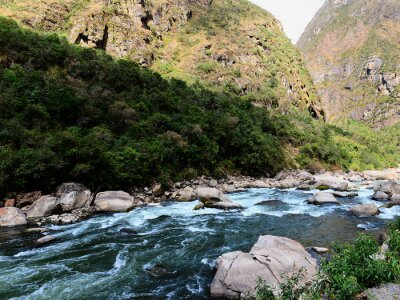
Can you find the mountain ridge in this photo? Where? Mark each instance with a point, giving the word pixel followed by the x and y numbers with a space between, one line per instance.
pixel 231 46
pixel 351 49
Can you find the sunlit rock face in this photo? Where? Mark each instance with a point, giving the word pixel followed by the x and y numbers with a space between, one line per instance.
pixel 351 49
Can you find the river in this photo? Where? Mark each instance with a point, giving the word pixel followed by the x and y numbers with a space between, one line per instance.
pixel 94 260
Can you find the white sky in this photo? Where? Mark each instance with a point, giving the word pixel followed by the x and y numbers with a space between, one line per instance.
pixel 294 14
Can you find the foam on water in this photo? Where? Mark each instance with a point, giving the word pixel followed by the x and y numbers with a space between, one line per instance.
pixel 93 260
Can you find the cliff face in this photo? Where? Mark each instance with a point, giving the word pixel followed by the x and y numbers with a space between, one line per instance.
pixel 227 45
pixel 351 48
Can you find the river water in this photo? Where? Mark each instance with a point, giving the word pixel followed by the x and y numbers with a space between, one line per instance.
pixel 93 260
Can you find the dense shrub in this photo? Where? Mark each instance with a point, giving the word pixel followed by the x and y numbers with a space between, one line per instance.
pixel 350 270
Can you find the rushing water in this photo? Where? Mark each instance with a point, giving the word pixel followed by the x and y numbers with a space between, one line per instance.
pixel 93 260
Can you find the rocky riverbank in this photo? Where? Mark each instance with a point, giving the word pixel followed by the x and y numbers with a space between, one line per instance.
pixel 73 202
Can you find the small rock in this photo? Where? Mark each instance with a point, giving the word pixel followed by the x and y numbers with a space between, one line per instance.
pixel 365 210
pixel 344 194
pixel 12 216
pixel 199 206
pixel 321 250
pixel 9 203
pixel 45 240
pixel 383 292
pixel 36 230
pixel 157 271
pixel 380 196
pixel 157 190
pixel 321 198
pixel 213 183
pixel 128 231
pixel 304 187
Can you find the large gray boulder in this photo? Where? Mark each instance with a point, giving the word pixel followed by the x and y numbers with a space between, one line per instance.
pixel 114 201
pixel 344 194
pixel 382 186
pixel 73 196
pixel 74 200
pixel 42 207
pixel 380 196
pixel 214 198
pixel 185 195
pixel 365 210
pixel 321 198
pixel 395 188
pixel 11 216
pixel 272 259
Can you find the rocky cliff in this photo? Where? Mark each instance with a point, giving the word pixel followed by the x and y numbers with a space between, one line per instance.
pixel 230 46
pixel 352 50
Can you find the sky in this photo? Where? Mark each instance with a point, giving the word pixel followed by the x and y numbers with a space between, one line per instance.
pixel 293 14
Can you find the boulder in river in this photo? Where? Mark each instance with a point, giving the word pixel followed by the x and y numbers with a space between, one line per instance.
pixel 380 196
pixel 395 197
pixel 12 216
pixel 42 207
pixel 344 194
pixel 322 198
pixel 199 206
pixel 383 186
pixel 272 259
pixel 114 201
pixel 157 271
pixel 395 188
pixel 45 240
pixel 214 198
pixel 186 194
pixel 365 210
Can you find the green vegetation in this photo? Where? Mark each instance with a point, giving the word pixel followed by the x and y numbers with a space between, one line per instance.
pixel 74 114
pixel 352 269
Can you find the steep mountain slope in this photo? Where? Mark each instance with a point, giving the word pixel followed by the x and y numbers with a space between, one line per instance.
pixel 352 49
pixel 69 113
pixel 230 46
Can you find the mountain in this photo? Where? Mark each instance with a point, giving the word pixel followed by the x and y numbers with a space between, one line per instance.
pixel 352 50
pixel 229 46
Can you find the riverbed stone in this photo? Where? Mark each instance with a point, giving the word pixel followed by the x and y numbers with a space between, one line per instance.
pixel 365 210
pixel 395 188
pixel 389 291
pixel 199 206
pixel 321 250
pixel 25 199
pixel 36 230
pixel 157 190
pixel 380 196
pixel 42 207
pixel 45 240
pixel 9 203
pixel 74 200
pixel 344 194
pixel 185 195
pixel 322 198
pixel 214 198
pixel 272 259
pixel 12 216
pixel 383 186
pixel 114 201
